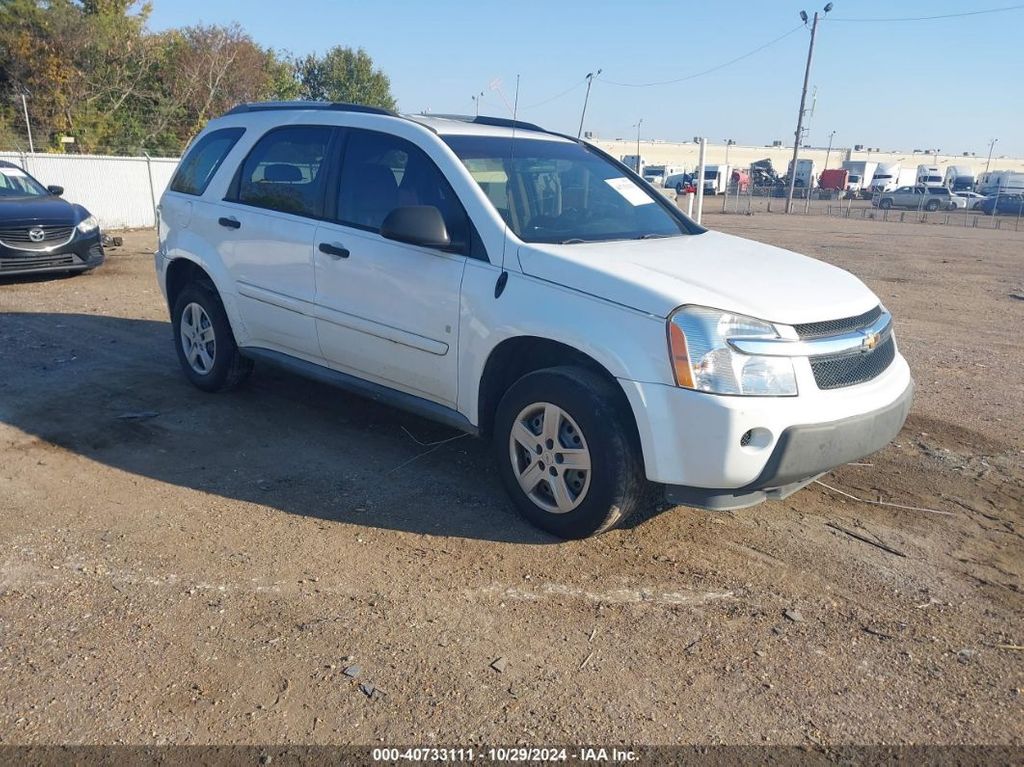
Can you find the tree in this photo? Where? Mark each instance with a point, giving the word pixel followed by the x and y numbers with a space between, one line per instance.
pixel 343 74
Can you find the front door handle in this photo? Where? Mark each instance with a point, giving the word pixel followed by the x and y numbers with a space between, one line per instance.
pixel 338 251
pixel 230 223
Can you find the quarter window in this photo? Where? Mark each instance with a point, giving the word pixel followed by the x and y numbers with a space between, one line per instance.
pixel 285 171
pixel 202 161
pixel 382 172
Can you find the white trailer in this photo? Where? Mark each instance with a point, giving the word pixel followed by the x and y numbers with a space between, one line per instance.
pixel 716 178
pixel 1000 182
pixel 890 175
pixel 805 178
pixel 861 173
pixel 636 162
pixel 929 175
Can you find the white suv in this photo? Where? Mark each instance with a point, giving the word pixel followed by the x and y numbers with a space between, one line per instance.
pixel 523 286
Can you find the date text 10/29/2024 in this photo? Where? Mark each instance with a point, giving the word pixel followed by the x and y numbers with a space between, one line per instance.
pixel 504 754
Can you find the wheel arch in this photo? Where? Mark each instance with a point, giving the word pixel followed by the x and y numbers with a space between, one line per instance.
pixel 517 356
pixel 183 270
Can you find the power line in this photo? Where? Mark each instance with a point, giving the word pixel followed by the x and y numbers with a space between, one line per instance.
pixel 746 55
pixel 566 92
pixel 942 16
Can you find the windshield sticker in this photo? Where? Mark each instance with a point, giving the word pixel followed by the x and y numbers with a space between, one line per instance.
pixel 13 172
pixel 634 195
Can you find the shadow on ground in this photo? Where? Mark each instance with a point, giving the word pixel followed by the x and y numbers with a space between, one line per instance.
pixel 109 389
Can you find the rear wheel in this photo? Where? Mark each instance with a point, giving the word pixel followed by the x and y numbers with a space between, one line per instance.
pixel 205 344
pixel 932 205
pixel 885 204
pixel 567 452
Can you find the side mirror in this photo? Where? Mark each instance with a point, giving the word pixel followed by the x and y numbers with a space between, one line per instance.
pixel 55 190
pixel 421 225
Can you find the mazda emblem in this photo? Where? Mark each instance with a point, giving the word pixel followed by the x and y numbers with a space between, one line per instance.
pixel 36 234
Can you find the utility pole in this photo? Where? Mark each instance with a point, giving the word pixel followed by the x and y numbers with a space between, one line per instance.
pixel 28 125
pixel 991 146
pixel 476 100
pixel 728 143
pixel 803 103
pixel 590 81
pixel 639 172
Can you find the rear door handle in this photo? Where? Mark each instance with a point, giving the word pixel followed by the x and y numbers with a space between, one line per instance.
pixel 230 223
pixel 338 251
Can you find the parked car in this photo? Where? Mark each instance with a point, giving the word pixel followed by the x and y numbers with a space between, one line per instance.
pixel 39 231
pixel 1003 204
pixel 968 200
pixel 915 197
pixel 598 337
pixel 681 182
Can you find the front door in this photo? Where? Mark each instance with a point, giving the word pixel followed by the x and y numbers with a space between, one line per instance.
pixel 386 311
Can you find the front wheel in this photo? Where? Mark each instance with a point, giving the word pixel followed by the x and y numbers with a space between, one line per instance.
pixel 885 204
pixel 567 452
pixel 932 205
pixel 205 344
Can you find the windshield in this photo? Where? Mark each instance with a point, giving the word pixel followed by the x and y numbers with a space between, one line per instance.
pixel 14 182
pixel 558 191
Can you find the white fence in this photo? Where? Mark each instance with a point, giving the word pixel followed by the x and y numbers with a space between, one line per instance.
pixel 120 191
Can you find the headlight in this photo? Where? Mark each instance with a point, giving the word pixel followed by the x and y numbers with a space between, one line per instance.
pixel 89 224
pixel 702 358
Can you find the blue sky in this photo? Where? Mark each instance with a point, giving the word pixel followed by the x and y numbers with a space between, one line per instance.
pixel 949 84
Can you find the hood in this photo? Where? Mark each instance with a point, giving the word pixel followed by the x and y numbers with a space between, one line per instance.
pixel 39 210
pixel 709 269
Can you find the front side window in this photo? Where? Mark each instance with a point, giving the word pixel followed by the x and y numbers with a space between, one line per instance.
pixel 561 191
pixel 382 172
pixel 202 161
pixel 286 172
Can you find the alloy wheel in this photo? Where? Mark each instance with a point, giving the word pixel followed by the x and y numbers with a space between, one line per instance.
pixel 197 338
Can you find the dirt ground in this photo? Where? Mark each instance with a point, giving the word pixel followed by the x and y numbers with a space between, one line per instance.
pixel 177 567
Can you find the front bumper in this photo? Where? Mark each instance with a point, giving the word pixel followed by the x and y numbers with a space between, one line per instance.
pixel 715 442
pixel 81 253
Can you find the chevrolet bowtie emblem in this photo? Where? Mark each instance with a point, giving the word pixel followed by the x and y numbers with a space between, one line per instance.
pixel 869 342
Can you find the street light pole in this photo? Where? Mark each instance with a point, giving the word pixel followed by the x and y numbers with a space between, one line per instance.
pixel 638 170
pixel 476 100
pixel 28 125
pixel 829 150
pixel 991 146
pixel 803 103
pixel 590 81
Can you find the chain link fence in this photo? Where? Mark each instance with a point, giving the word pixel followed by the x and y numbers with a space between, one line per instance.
pixel 750 190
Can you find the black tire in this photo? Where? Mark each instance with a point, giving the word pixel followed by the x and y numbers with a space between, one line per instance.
pixel 885 204
pixel 617 483
pixel 932 205
pixel 229 368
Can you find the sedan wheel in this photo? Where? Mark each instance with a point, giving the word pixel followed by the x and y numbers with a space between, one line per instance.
pixel 550 457
pixel 198 339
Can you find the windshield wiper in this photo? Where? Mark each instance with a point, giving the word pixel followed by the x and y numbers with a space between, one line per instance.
pixel 572 241
pixel 652 236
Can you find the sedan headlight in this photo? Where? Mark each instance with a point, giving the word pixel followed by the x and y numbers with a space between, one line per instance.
pixel 702 358
pixel 89 224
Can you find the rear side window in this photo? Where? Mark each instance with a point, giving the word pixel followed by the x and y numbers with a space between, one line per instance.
pixel 285 171
pixel 201 162
pixel 382 172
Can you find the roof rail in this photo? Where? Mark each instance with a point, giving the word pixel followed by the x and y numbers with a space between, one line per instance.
pixel 499 122
pixel 331 106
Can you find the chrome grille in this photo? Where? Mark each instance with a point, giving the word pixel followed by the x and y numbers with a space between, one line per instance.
pixel 836 327
pixel 18 237
pixel 836 371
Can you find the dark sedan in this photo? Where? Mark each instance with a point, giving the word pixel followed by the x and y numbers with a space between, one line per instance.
pixel 40 232
pixel 1003 204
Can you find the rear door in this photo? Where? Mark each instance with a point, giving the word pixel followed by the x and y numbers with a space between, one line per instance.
pixel 271 215
pixel 387 311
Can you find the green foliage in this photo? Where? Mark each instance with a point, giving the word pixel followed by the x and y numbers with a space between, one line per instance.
pixel 343 74
pixel 92 70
